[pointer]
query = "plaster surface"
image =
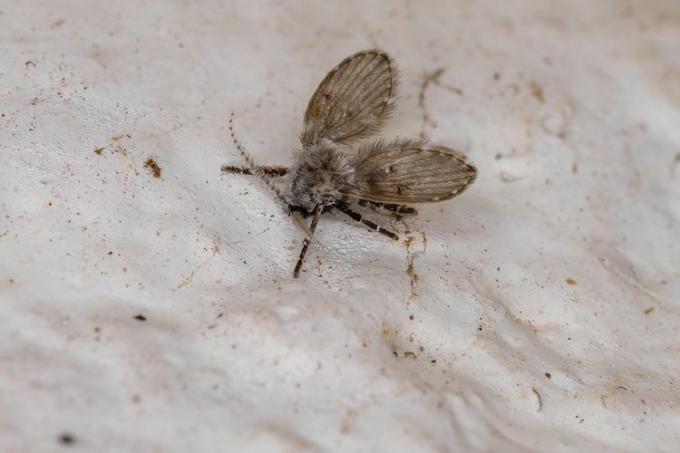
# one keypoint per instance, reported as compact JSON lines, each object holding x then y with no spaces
{"x":146,"y":299}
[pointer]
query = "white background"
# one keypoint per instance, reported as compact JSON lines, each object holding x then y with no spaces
{"x":545,"y":313}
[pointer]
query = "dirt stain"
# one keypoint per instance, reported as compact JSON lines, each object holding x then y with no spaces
{"x":187,"y":281}
{"x":411,"y":256}
{"x":58,"y":23}
{"x":537,"y":91}
{"x":153,"y":167}
{"x":538,"y":397}
{"x":674,"y":165}
{"x":432,"y":78}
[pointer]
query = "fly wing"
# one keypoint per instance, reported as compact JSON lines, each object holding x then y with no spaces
{"x":353,"y":101}
{"x":406,"y":171}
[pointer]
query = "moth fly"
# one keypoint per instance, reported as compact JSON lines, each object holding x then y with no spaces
{"x":336,"y":168}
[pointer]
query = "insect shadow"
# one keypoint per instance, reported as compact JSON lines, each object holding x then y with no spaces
{"x":334,"y":170}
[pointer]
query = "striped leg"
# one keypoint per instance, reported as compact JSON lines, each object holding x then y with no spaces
{"x":273,"y":171}
{"x":396,"y":208}
{"x":305,"y":244}
{"x":359,"y":218}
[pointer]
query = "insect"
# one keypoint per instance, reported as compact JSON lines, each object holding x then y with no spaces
{"x":335,"y":170}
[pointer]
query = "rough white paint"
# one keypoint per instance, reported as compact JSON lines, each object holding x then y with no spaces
{"x":577,"y":140}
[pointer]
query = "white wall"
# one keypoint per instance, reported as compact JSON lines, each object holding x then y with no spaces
{"x":545,"y":315}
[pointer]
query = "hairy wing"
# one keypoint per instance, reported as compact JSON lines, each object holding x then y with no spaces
{"x":353,"y":101}
{"x":410,"y":172}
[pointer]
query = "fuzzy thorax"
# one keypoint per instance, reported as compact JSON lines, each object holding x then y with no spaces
{"x":318,"y":176}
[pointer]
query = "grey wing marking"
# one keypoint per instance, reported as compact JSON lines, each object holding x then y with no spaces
{"x":405,"y":171}
{"x":353,"y":101}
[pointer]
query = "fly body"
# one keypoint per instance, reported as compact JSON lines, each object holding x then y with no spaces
{"x":337,"y":168}
{"x":318,"y":177}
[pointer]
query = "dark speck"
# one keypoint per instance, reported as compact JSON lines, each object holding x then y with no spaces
{"x":140,"y":318}
{"x":67,"y":439}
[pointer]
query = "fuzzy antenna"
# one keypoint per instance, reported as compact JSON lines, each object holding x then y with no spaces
{"x":264,"y":177}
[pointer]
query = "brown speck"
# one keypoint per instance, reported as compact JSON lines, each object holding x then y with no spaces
{"x":410,"y":354}
{"x":110,"y":253}
{"x":411,"y":317}
{"x":674,"y":164}
{"x":136,"y":398}
{"x":574,"y":168}
{"x":141,"y":318}
{"x":67,"y":439}
{"x":29,"y":63}
{"x":548,"y":375}
{"x":98,"y":151}
{"x":153,"y":167}
{"x":538,"y":397}
{"x":648,"y":310}
{"x":570,"y":281}
{"x":537,"y":91}
{"x":120,"y":150}
{"x":57,"y":24}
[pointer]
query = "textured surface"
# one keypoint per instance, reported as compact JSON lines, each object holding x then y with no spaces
{"x":146,"y":302}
